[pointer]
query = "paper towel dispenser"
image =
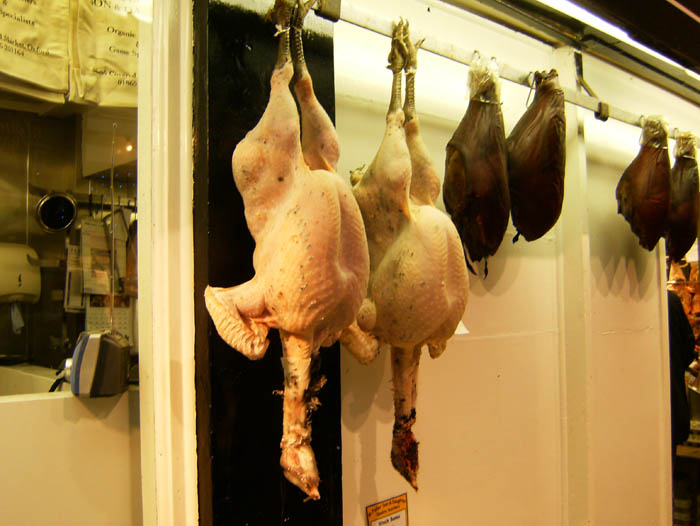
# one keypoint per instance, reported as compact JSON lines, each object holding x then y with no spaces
{"x":20,"y":275}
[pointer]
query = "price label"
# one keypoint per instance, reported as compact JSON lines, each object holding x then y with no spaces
{"x":390,"y":512}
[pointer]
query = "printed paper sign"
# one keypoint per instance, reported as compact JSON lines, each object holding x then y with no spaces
{"x":390,"y":512}
{"x":105,"y":51}
{"x":34,"y":45}
{"x":95,"y":257}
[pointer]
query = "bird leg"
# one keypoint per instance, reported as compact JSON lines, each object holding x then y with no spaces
{"x":319,"y":140}
{"x":425,"y":183}
{"x":297,"y":458}
{"x":404,"y":447}
{"x":300,"y":12}
{"x":280,"y":14}
{"x":396,"y":63}
{"x":410,"y":66}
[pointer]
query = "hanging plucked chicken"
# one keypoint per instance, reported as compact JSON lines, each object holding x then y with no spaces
{"x":644,"y":190}
{"x":683,"y":212}
{"x":475,"y":190}
{"x":536,"y":160}
{"x":418,"y":277}
{"x":311,"y":260}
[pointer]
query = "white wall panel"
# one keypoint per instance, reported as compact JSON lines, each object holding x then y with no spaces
{"x":68,"y":460}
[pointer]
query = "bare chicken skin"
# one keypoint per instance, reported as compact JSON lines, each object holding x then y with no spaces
{"x":418,"y":278}
{"x":311,"y":259}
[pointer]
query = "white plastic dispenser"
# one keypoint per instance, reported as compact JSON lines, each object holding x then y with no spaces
{"x":20,"y":274}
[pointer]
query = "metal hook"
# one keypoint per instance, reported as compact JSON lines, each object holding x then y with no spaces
{"x":90,"y":197}
{"x":530,"y":75}
{"x":476,"y":56}
{"x":603,"y":112}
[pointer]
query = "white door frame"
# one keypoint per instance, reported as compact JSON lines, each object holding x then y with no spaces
{"x":166,"y":268}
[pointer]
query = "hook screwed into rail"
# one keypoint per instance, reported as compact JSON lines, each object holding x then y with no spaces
{"x":603,"y":111}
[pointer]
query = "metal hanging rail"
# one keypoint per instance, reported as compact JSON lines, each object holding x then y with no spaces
{"x":362,"y":18}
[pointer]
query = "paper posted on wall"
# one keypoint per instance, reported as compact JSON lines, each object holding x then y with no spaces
{"x":94,"y":252}
{"x":389,"y":512}
{"x":99,"y":316}
{"x":95,"y":248}
{"x":34,"y":47}
{"x":121,"y":235}
{"x":73,"y":298}
{"x":105,"y":51}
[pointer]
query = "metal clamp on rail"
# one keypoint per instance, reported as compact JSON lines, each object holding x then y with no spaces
{"x":328,"y":9}
{"x":603,"y":111}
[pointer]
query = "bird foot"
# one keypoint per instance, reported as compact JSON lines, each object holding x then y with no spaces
{"x":397,"y":55}
{"x":411,"y":63}
{"x":301,"y":10}
{"x":281,"y":13}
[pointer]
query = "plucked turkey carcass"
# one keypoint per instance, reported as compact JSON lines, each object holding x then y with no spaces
{"x":311,"y":259}
{"x":418,"y":277}
{"x":475,"y":190}
{"x":683,"y":212}
{"x":643,"y":192}
{"x":537,"y":159}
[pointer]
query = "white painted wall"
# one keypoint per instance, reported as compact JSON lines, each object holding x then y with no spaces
{"x":70,"y":461}
{"x":554,"y":410}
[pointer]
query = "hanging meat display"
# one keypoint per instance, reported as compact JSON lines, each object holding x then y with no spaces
{"x":311,"y":259}
{"x":475,"y":190}
{"x":537,"y":159}
{"x":418,"y":279}
{"x":683,"y":212}
{"x":643,"y":192}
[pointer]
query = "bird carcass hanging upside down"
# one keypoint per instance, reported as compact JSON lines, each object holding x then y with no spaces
{"x":476,"y":181}
{"x":418,"y":277}
{"x":537,"y":160}
{"x":311,"y":259}
{"x":683,"y":212}
{"x":643,"y":191}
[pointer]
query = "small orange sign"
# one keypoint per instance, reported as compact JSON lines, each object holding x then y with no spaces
{"x":390,"y":512}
